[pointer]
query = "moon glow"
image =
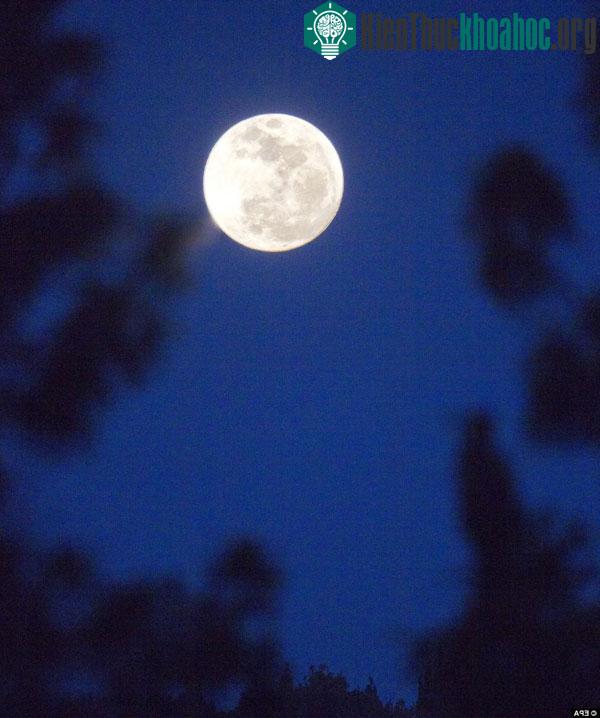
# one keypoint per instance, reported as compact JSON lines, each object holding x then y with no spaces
{"x":273,"y":182}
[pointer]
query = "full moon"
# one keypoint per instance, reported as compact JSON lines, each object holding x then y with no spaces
{"x":273,"y":182}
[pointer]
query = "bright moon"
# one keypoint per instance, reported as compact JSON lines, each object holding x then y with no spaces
{"x":273,"y":182}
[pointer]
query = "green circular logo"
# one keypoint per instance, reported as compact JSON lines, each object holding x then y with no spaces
{"x":329,"y":30}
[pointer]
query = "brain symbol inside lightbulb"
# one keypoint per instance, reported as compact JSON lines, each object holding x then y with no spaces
{"x":330,"y":27}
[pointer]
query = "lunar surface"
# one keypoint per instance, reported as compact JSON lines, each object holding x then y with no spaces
{"x":273,"y":182}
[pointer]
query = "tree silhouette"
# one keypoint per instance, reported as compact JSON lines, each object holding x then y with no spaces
{"x":74,"y":645}
{"x":81,"y":279}
{"x":81,"y":282}
{"x":519,"y":211}
{"x":527,"y":643}
{"x":321,"y":693}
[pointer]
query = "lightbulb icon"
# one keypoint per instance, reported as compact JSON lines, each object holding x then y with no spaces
{"x":329,"y":30}
{"x":330,"y":27}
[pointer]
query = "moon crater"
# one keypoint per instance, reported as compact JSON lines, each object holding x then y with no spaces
{"x":273,"y":182}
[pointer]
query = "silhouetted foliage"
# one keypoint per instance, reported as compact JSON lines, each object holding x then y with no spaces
{"x":75,"y":645}
{"x":564,"y":389}
{"x":74,"y":259}
{"x":519,"y":209}
{"x":81,"y":286}
{"x":527,"y":643}
{"x":322,"y":693}
{"x":71,"y":252}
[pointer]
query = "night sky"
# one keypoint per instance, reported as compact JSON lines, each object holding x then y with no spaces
{"x":313,"y":398}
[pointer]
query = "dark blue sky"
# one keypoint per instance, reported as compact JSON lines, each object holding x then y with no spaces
{"x":311,"y":398}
